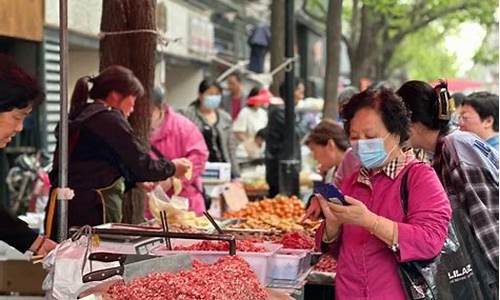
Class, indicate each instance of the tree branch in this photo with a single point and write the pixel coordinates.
(354, 21)
(312, 15)
(348, 44)
(432, 16)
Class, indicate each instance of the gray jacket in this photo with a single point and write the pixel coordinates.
(224, 129)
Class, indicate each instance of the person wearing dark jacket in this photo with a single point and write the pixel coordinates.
(275, 138)
(19, 94)
(104, 154)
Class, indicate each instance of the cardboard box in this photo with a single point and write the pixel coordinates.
(21, 276)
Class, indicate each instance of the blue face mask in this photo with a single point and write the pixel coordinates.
(212, 101)
(371, 152)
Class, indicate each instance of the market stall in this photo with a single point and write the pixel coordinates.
(259, 250)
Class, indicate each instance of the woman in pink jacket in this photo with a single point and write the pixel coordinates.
(371, 235)
(175, 136)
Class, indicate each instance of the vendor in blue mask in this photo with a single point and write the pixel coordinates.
(214, 123)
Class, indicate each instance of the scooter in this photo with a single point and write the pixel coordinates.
(28, 183)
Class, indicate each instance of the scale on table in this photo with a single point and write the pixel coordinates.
(127, 244)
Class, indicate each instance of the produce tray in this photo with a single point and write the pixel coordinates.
(315, 257)
(297, 284)
(289, 264)
(321, 278)
(260, 262)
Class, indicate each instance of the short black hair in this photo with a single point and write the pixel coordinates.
(347, 94)
(458, 98)
(422, 101)
(390, 106)
(485, 104)
(158, 98)
(262, 133)
(18, 90)
(254, 91)
(206, 83)
(296, 82)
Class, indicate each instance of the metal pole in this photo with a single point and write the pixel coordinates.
(63, 123)
(289, 167)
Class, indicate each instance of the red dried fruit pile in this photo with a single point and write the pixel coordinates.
(296, 240)
(243, 246)
(326, 264)
(229, 278)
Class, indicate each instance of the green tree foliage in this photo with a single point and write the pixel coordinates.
(423, 56)
(487, 54)
(375, 29)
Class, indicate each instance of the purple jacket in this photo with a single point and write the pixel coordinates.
(178, 137)
(366, 267)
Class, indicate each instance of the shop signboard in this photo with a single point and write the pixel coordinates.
(18, 22)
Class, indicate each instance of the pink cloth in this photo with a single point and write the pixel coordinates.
(366, 267)
(178, 137)
(349, 164)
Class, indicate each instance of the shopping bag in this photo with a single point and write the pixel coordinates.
(67, 264)
(450, 275)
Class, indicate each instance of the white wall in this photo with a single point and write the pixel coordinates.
(182, 85)
(81, 63)
(84, 16)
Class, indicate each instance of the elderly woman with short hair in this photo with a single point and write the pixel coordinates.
(373, 234)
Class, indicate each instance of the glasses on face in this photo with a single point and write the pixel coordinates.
(465, 118)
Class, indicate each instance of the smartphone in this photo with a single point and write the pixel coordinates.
(330, 192)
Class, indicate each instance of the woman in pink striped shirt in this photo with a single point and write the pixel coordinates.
(372, 235)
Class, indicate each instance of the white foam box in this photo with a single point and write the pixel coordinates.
(217, 171)
(289, 264)
(260, 262)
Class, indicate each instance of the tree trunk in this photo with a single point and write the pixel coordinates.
(365, 50)
(333, 37)
(382, 66)
(277, 42)
(135, 51)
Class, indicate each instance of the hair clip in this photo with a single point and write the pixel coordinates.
(445, 106)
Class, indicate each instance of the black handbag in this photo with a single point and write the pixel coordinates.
(450, 275)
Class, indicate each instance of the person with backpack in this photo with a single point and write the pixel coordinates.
(468, 169)
(373, 234)
(105, 157)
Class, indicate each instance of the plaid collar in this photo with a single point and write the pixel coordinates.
(391, 170)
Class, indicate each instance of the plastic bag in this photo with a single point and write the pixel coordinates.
(160, 201)
(177, 209)
(67, 264)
